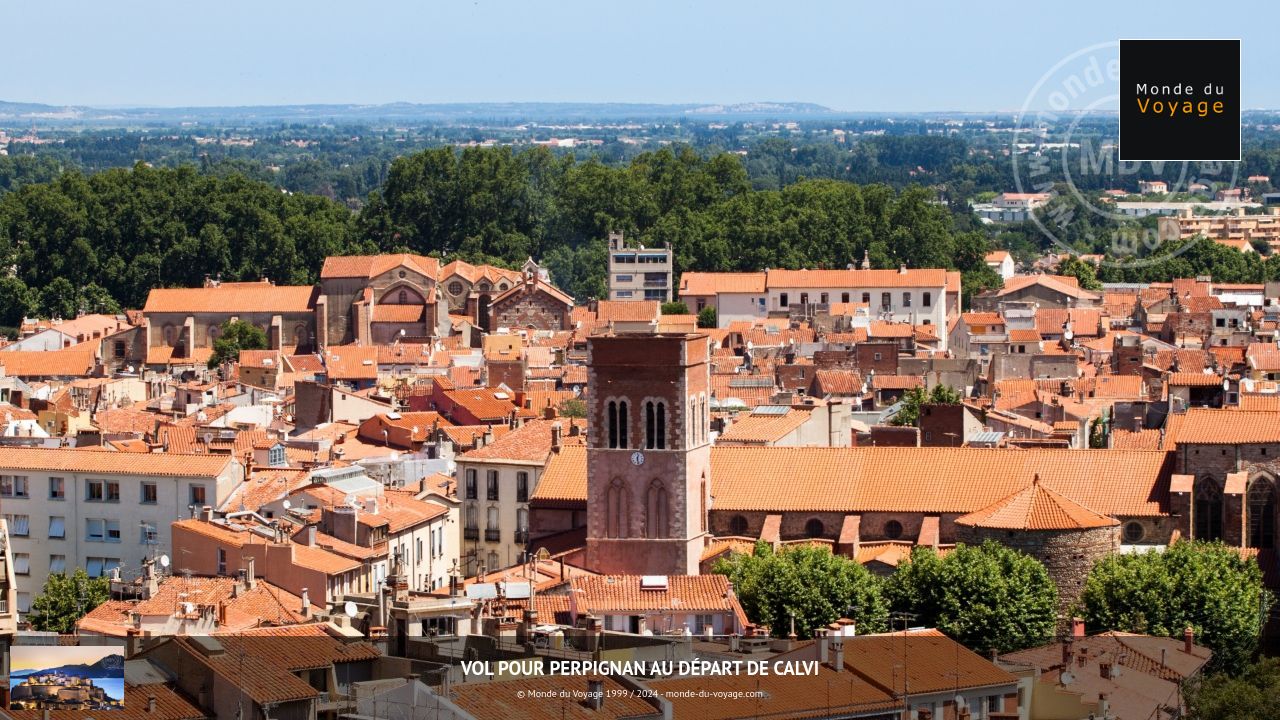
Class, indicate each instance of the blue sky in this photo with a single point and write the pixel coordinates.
(855, 56)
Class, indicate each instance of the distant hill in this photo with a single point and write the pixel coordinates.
(17, 113)
(109, 666)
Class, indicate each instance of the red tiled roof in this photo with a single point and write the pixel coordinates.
(351, 362)
(611, 594)
(1065, 285)
(886, 479)
(75, 361)
(367, 266)
(762, 429)
(628, 311)
(1135, 440)
(928, 278)
(531, 442)
(84, 461)
(249, 297)
(706, 283)
(1209, 426)
(392, 313)
(1036, 507)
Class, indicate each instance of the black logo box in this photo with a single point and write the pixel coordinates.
(1188, 65)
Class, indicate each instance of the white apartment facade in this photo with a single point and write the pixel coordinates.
(639, 273)
(69, 509)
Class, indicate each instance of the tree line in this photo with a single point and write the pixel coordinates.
(100, 242)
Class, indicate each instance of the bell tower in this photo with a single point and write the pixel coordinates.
(648, 452)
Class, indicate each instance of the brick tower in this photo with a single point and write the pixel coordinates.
(648, 453)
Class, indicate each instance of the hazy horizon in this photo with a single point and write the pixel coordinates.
(852, 58)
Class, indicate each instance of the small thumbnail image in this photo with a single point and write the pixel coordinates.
(66, 678)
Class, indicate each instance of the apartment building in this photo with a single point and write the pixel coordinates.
(69, 509)
(1235, 229)
(639, 273)
(497, 481)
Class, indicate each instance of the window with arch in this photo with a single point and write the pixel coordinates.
(737, 525)
(168, 335)
(455, 288)
(655, 425)
(657, 511)
(893, 529)
(403, 296)
(484, 287)
(814, 528)
(471, 520)
(502, 287)
(616, 419)
(213, 333)
(616, 524)
(300, 334)
(1208, 509)
(1262, 512)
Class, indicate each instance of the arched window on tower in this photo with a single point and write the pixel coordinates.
(611, 410)
(1262, 512)
(657, 517)
(624, 439)
(616, 510)
(655, 425)
(1208, 509)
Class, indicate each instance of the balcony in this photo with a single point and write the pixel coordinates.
(522, 537)
(471, 533)
(492, 535)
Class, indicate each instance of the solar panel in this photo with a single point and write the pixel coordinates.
(771, 410)
(516, 590)
(482, 591)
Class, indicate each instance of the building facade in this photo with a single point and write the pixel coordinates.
(639, 273)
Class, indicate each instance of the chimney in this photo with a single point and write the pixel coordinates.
(1067, 652)
(1188, 639)
(306, 604)
(206, 513)
(902, 269)
(549, 412)
(595, 694)
(222, 619)
(250, 581)
(555, 437)
(311, 534)
(151, 703)
(1104, 707)
(837, 658)
(821, 636)
(1077, 627)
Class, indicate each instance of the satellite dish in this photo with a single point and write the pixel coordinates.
(188, 608)
(164, 561)
(1068, 334)
(350, 609)
(286, 504)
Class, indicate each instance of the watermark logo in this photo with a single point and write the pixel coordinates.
(1076, 190)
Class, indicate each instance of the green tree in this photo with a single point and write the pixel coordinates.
(59, 299)
(707, 318)
(1208, 587)
(807, 584)
(573, 408)
(1085, 272)
(987, 597)
(66, 598)
(913, 399)
(1252, 695)
(236, 335)
(675, 308)
(16, 301)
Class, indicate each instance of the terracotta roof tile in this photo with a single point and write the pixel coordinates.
(393, 313)
(886, 479)
(606, 594)
(1036, 507)
(757, 429)
(75, 361)
(784, 279)
(1140, 440)
(367, 266)
(351, 362)
(1209, 426)
(706, 283)
(82, 461)
(531, 442)
(628, 311)
(232, 298)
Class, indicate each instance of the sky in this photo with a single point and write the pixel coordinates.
(39, 657)
(852, 56)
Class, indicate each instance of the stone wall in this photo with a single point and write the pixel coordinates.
(1068, 555)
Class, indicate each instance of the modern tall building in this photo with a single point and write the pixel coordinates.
(639, 273)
